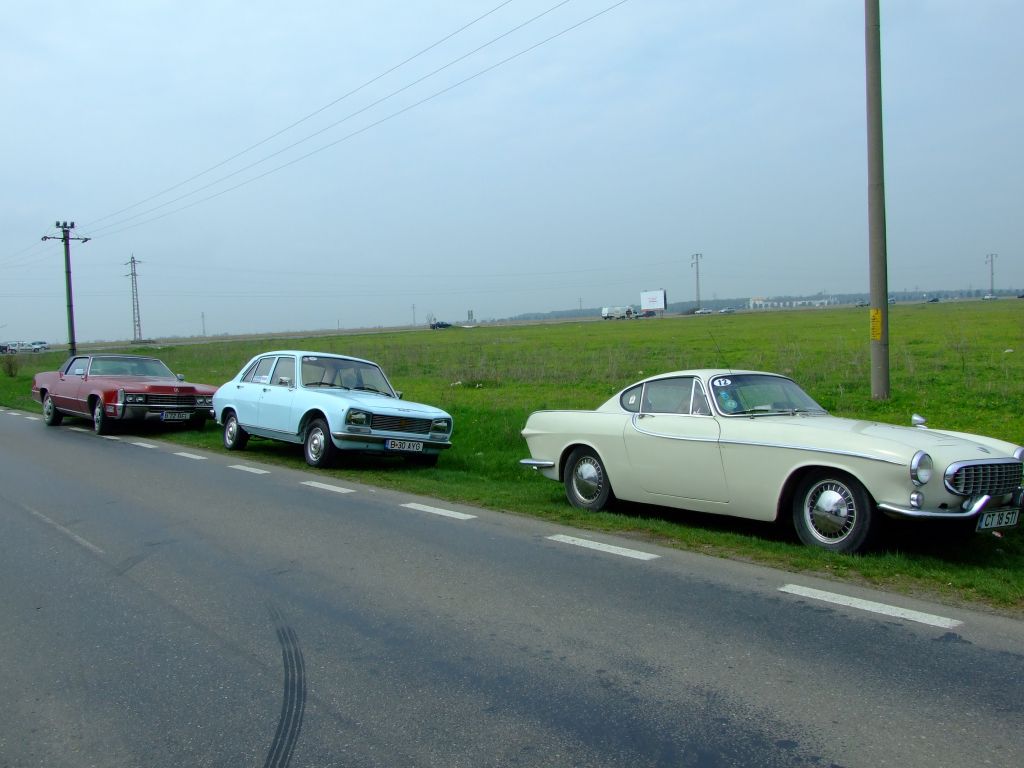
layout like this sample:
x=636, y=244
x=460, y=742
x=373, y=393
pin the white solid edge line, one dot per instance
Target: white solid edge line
x=253, y=470
x=143, y=445
x=873, y=607
x=635, y=554
x=195, y=456
x=439, y=511
x=326, y=487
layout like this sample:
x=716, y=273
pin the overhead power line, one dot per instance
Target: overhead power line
x=326, y=128
x=358, y=132
x=301, y=120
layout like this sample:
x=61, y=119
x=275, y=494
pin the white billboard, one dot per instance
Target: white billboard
x=653, y=300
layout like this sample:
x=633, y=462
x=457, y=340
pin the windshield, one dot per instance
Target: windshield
x=343, y=373
x=745, y=394
x=129, y=366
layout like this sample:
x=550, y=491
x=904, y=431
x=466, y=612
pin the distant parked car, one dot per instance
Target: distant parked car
x=438, y=324
x=327, y=403
x=863, y=304
x=39, y=346
x=704, y=311
x=726, y=311
x=115, y=388
x=989, y=297
x=933, y=300
x=755, y=445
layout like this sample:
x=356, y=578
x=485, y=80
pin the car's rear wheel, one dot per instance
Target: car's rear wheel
x=833, y=511
x=586, y=481
x=51, y=416
x=235, y=438
x=319, y=448
x=100, y=425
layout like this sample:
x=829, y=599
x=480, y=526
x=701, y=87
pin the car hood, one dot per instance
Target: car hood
x=383, y=404
x=885, y=441
x=156, y=384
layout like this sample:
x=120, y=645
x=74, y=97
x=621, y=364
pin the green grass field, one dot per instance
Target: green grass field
x=959, y=364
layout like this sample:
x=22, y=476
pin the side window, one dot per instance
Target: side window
x=77, y=367
x=699, y=405
x=260, y=373
x=284, y=373
x=630, y=399
x=669, y=395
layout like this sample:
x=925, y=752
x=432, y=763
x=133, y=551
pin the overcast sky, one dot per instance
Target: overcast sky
x=295, y=166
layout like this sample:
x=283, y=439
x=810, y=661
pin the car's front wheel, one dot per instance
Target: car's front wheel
x=833, y=511
x=586, y=481
x=51, y=416
x=235, y=438
x=319, y=448
x=100, y=425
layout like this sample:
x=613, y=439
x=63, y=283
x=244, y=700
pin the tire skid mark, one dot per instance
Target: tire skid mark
x=293, y=703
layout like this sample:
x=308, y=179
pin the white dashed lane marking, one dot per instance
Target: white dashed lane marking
x=195, y=456
x=873, y=607
x=110, y=437
x=439, y=511
x=32, y=418
x=143, y=445
x=326, y=487
x=609, y=548
x=253, y=470
x=79, y=429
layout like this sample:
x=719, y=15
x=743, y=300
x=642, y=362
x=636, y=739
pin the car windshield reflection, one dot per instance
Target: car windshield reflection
x=759, y=395
x=129, y=366
x=341, y=373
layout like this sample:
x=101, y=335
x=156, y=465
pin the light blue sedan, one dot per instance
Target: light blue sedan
x=327, y=403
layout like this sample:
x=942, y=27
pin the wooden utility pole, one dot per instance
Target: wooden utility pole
x=878, y=259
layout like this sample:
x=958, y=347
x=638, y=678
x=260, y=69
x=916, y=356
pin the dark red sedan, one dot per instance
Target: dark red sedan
x=112, y=388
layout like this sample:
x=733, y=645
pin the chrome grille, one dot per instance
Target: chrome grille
x=979, y=478
x=401, y=424
x=171, y=401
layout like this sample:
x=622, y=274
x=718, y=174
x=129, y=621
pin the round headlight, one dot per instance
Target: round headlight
x=921, y=468
x=1019, y=454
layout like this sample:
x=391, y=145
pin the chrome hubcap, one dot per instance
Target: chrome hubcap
x=587, y=479
x=316, y=445
x=231, y=432
x=830, y=512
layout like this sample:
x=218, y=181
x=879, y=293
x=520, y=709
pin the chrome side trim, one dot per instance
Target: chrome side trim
x=783, y=446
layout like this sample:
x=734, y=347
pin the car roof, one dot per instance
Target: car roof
x=710, y=373
x=310, y=353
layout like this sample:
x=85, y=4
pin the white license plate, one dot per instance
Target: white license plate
x=404, y=445
x=1007, y=518
x=174, y=416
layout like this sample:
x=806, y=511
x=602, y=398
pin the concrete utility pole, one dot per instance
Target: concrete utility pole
x=136, y=319
x=990, y=259
x=878, y=260
x=695, y=260
x=66, y=237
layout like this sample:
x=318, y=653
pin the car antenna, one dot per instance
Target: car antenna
x=721, y=357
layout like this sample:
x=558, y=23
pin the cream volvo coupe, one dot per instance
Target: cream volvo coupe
x=755, y=445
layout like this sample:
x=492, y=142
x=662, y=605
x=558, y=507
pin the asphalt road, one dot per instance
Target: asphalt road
x=165, y=607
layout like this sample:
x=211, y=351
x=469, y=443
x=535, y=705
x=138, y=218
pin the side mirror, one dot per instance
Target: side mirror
x=179, y=376
x=919, y=421
x=398, y=394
